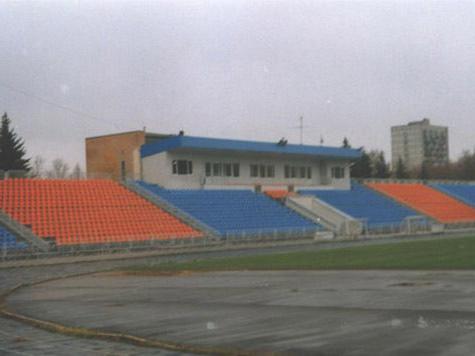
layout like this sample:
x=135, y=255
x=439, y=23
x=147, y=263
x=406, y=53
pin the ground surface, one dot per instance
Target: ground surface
x=327, y=312
x=19, y=339
x=442, y=254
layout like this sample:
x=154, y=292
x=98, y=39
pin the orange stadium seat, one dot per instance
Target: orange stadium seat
x=278, y=193
x=428, y=201
x=87, y=212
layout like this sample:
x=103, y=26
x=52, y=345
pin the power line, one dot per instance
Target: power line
x=59, y=106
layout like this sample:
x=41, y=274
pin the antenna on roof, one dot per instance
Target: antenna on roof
x=321, y=140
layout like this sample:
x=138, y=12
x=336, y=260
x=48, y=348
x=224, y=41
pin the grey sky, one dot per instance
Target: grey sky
x=238, y=69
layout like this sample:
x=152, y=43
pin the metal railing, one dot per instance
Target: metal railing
x=409, y=226
x=23, y=232
x=170, y=208
x=156, y=245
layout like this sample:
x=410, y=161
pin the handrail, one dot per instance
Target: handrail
x=309, y=214
x=170, y=208
x=23, y=232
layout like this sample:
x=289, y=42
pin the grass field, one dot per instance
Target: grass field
x=450, y=253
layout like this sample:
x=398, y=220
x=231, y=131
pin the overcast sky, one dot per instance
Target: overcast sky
x=236, y=69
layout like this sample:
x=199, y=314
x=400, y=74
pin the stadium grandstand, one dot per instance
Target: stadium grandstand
x=429, y=201
x=365, y=204
x=181, y=188
x=72, y=212
x=236, y=212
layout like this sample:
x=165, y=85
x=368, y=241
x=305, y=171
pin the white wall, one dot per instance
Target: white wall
x=158, y=169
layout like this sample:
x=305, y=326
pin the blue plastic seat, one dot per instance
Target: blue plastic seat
x=363, y=203
x=9, y=241
x=462, y=192
x=234, y=211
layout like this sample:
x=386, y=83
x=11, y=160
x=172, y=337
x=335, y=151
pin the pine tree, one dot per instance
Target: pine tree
x=12, y=150
x=424, y=171
x=380, y=167
x=401, y=171
x=362, y=167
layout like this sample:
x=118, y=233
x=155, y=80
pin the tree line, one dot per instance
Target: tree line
x=13, y=158
x=373, y=164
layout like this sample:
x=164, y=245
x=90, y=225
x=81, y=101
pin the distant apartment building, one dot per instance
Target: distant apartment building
x=419, y=142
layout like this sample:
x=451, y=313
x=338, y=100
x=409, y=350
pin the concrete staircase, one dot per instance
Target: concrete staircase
x=326, y=215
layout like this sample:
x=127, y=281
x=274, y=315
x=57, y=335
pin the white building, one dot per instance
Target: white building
x=419, y=142
x=197, y=162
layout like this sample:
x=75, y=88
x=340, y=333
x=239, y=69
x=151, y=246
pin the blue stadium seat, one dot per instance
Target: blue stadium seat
x=8, y=241
x=361, y=202
x=234, y=212
x=462, y=192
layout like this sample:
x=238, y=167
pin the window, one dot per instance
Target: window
x=301, y=172
x=293, y=172
x=262, y=171
x=227, y=169
x=338, y=172
x=254, y=170
x=270, y=171
x=236, y=169
x=182, y=167
x=217, y=169
x=122, y=169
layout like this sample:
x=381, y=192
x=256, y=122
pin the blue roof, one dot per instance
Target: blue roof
x=204, y=143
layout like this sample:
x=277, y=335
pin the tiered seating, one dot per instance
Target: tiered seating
x=428, y=201
x=462, y=192
x=8, y=241
x=361, y=202
x=233, y=212
x=87, y=212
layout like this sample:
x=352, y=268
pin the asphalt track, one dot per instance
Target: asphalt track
x=296, y=312
x=18, y=338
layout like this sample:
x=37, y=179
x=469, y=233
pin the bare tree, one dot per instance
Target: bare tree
x=59, y=169
x=77, y=172
x=38, y=167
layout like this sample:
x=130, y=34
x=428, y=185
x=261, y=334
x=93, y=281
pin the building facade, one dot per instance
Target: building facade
x=419, y=142
x=207, y=163
x=117, y=156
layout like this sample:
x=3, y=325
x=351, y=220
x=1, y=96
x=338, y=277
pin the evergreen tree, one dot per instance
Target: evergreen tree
x=380, y=167
x=401, y=171
x=12, y=150
x=362, y=167
x=424, y=171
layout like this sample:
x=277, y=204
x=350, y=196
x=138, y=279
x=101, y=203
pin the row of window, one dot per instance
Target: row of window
x=222, y=169
x=219, y=169
x=297, y=172
x=261, y=170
